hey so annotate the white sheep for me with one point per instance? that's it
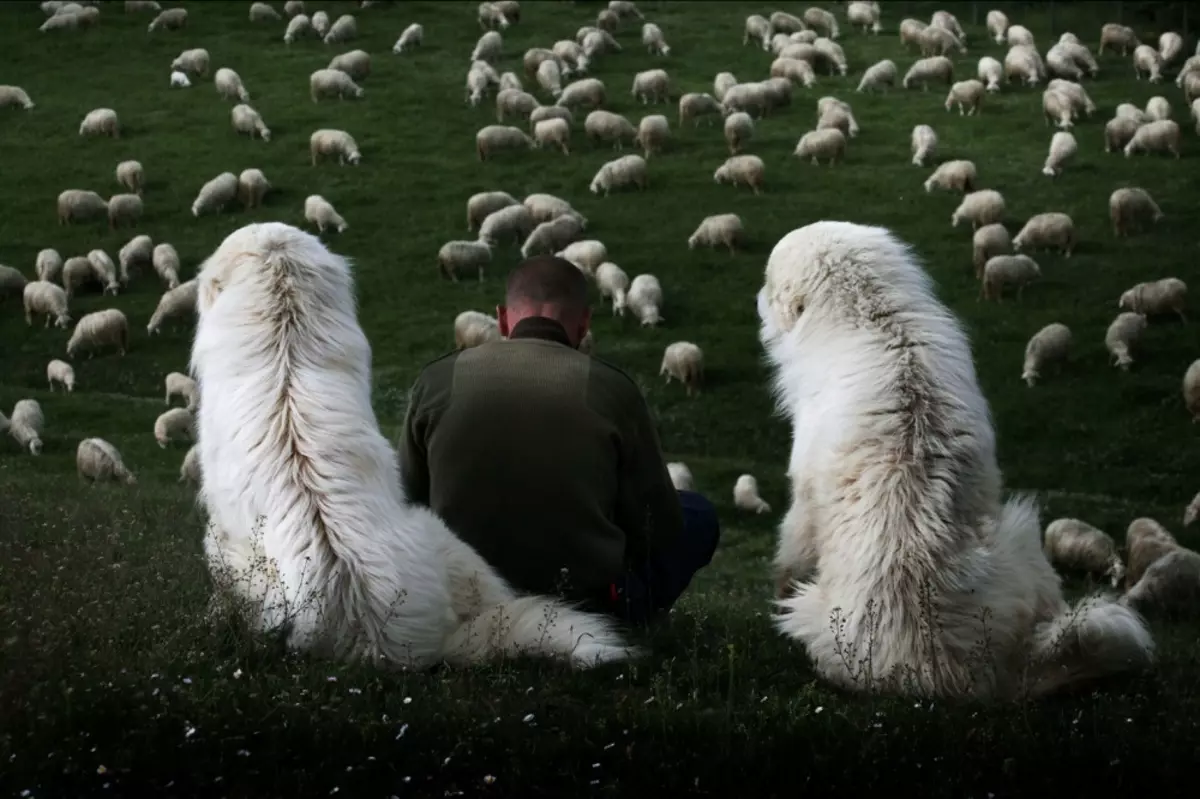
(248, 121)
(939, 41)
(15, 97)
(1132, 209)
(124, 209)
(549, 77)
(1132, 112)
(483, 204)
(614, 285)
(879, 75)
(1022, 63)
(831, 54)
(924, 145)
(26, 424)
(654, 41)
(192, 62)
(865, 16)
(216, 194)
(997, 25)
(76, 272)
(461, 254)
(169, 19)
(97, 330)
(512, 221)
(12, 282)
(739, 169)
(597, 42)
(722, 83)
(412, 36)
(1118, 37)
(654, 130)
(989, 240)
(325, 83)
(97, 460)
(1170, 46)
(177, 424)
(821, 20)
(981, 207)
(694, 105)
(749, 97)
(1062, 149)
(801, 72)
(43, 297)
(297, 26)
(683, 361)
(78, 204)
(1192, 65)
(478, 83)
(967, 95)
(1147, 60)
(165, 261)
(910, 32)
(1146, 541)
(628, 170)
(343, 29)
(136, 252)
(176, 303)
(745, 495)
(472, 328)
(929, 70)
(829, 143)
(545, 112)
(1050, 346)
(60, 373)
(131, 175)
(320, 212)
(1081, 103)
(320, 23)
(488, 48)
(586, 255)
(645, 299)
(681, 476)
(1158, 108)
(758, 29)
(1061, 64)
(355, 63)
(607, 127)
(739, 129)
(546, 207)
(836, 117)
(328, 142)
(1161, 136)
(724, 230)
(650, 86)
(105, 270)
(555, 132)
(491, 17)
(515, 101)
(252, 187)
(189, 470)
(183, 386)
(1191, 400)
(1018, 36)
(101, 122)
(1004, 270)
(1122, 336)
(229, 85)
(1057, 108)
(261, 12)
(1049, 231)
(1118, 132)
(48, 264)
(495, 138)
(553, 234)
(1076, 545)
(1156, 297)
(179, 80)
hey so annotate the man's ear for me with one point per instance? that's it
(502, 320)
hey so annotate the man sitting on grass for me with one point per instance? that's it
(546, 461)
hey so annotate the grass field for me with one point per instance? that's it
(110, 682)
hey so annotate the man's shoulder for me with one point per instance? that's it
(614, 382)
(438, 372)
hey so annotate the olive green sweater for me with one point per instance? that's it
(543, 459)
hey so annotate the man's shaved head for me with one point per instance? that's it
(547, 280)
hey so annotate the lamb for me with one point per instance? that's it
(929, 70)
(935, 41)
(48, 265)
(124, 209)
(865, 16)
(606, 127)
(1003, 270)
(456, 255)
(981, 207)
(1161, 136)
(176, 303)
(97, 330)
(724, 230)
(653, 40)
(15, 97)
(472, 328)
(645, 299)
(1081, 103)
(297, 26)
(1191, 400)
(261, 12)
(105, 270)
(585, 255)
(179, 80)
(613, 284)
(248, 121)
(165, 261)
(1050, 231)
(169, 19)
(101, 122)
(694, 105)
(192, 62)
(80, 205)
(229, 85)
(684, 361)
(910, 32)
(651, 86)
(343, 29)
(491, 17)
(877, 76)
(332, 83)
(547, 207)
(131, 176)
(61, 373)
(989, 240)
(798, 72)
(1117, 37)
(653, 132)
(924, 145)
(681, 476)
(1057, 108)
(1118, 132)
(1076, 545)
(495, 138)
(320, 212)
(174, 425)
(1049, 346)
(328, 142)
(252, 187)
(758, 29)
(739, 169)
(216, 194)
(412, 36)
(26, 424)
(1122, 336)
(997, 25)
(628, 170)
(43, 297)
(967, 95)
(1022, 63)
(745, 495)
(830, 327)
(1157, 297)
(483, 204)
(189, 470)
(821, 20)
(97, 460)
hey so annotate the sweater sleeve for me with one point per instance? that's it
(647, 485)
(414, 463)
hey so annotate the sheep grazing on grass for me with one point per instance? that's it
(681, 476)
(1156, 298)
(332, 83)
(165, 261)
(320, 212)
(12, 282)
(988, 241)
(175, 304)
(967, 95)
(654, 41)
(695, 105)
(131, 175)
(77, 205)
(178, 384)
(42, 297)
(124, 209)
(1162, 576)
(959, 176)
(877, 77)
(48, 265)
(1051, 231)
(683, 361)
(924, 145)
(1050, 346)
(229, 85)
(1191, 400)
(15, 97)
(929, 70)
(653, 132)
(169, 19)
(1007, 270)
(983, 207)
(719, 230)
(997, 25)
(1062, 149)
(179, 80)
(1146, 60)
(192, 62)
(216, 194)
(177, 424)
(461, 255)
(412, 36)
(607, 127)
(96, 461)
(628, 170)
(496, 138)
(865, 16)
(343, 29)
(614, 285)
(745, 495)
(297, 26)
(830, 327)
(586, 255)
(355, 63)
(101, 122)
(105, 271)
(60, 373)
(1075, 545)
(554, 234)
(645, 299)
(247, 121)
(98, 330)
(741, 169)
(326, 143)
(189, 470)
(25, 425)
(480, 206)
(1118, 132)
(1121, 338)
(472, 328)
(252, 187)
(1161, 136)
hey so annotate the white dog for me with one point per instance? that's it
(309, 527)
(908, 572)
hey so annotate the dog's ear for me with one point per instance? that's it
(790, 309)
(209, 291)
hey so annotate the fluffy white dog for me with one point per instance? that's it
(309, 528)
(908, 572)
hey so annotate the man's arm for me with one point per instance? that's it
(657, 518)
(414, 464)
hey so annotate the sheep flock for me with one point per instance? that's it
(662, 149)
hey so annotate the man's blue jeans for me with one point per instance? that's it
(656, 587)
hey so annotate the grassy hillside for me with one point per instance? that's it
(112, 682)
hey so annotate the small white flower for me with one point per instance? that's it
(528, 718)
(408, 700)
(237, 674)
(187, 680)
(819, 709)
(189, 732)
(489, 780)
(403, 729)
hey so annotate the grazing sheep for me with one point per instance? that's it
(739, 169)
(472, 328)
(694, 105)
(645, 299)
(739, 129)
(1132, 112)
(483, 204)
(1049, 231)
(935, 41)
(723, 82)
(724, 230)
(1060, 63)
(328, 142)
(1157, 297)
(821, 20)
(745, 495)
(97, 460)
(343, 29)
(1191, 400)
(1122, 336)
(683, 361)
(192, 62)
(1157, 108)
(169, 19)
(355, 63)
(1170, 586)
(607, 127)
(61, 373)
(1146, 541)
(76, 272)
(651, 86)
(997, 25)
(297, 26)
(124, 209)
(749, 97)
(511, 9)
(456, 255)
(43, 297)
(216, 194)
(1057, 108)
(981, 207)
(320, 212)
(1118, 132)
(801, 72)
(1023, 63)
(176, 303)
(553, 132)
(653, 132)
(929, 70)
(97, 330)
(924, 145)
(413, 36)
(586, 255)
(48, 265)
(326, 83)
(989, 240)
(910, 32)
(1117, 37)
(1170, 47)
(320, 23)
(1006, 270)
(879, 75)
(176, 424)
(131, 176)
(1050, 346)
(229, 85)
(613, 284)
(495, 138)
(510, 80)
(545, 112)
(831, 54)
(11, 281)
(105, 270)
(1147, 60)
(835, 118)
(1081, 103)
(628, 170)
(101, 122)
(248, 121)
(553, 234)
(865, 16)
(261, 12)
(967, 95)
(26, 424)
(957, 176)
(80, 205)
(165, 261)
(491, 17)
(179, 384)
(15, 97)
(546, 207)
(757, 29)
(515, 101)
(189, 470)
(654, 41)
(179, 80)
(1161, 136)
(1076, 545)
(549, 77)
(252, 187)
(681, 476)
(488, 48)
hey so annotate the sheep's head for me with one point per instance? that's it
(35, 447)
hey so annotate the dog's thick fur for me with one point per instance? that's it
(309, 528)
(906, 572)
